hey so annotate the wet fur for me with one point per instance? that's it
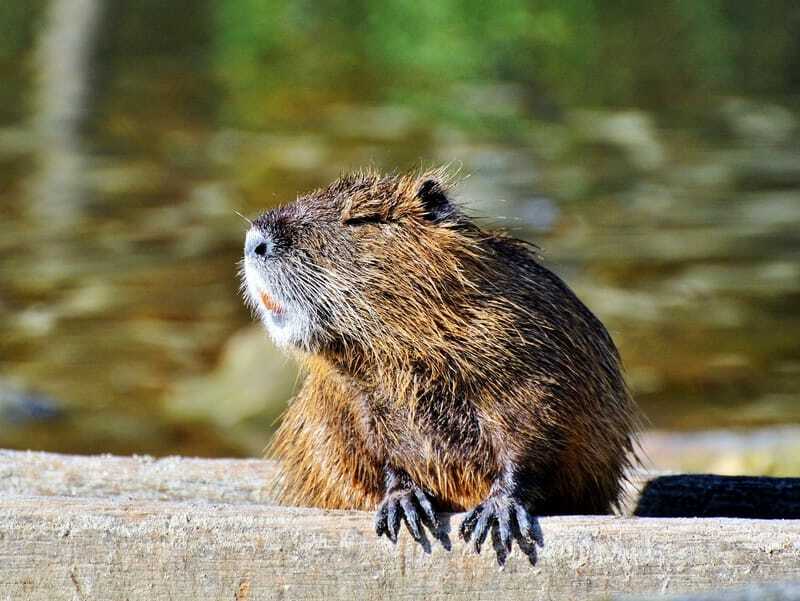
(435, 347)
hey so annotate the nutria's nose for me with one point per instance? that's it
(258, 245)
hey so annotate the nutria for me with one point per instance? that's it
(448, 370)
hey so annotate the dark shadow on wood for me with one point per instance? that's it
(707, 495)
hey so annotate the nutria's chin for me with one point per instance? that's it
(446, 367)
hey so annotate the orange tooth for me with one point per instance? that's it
(269, 303)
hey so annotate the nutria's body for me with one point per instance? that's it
(445, 364)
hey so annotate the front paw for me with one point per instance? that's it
(508, 519)
(412, 504)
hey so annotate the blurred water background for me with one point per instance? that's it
(651, 149)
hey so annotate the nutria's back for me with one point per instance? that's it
(435, 349)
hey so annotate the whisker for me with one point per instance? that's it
(248, 221)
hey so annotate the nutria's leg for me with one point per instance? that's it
(405, 499)
(507, 511)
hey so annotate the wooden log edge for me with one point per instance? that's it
(179, 529)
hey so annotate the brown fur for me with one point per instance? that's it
(444, 350)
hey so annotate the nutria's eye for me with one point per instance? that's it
(363, 219)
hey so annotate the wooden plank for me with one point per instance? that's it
(54, 548)
(650, 494)
(28, 473)
(106, 527)
(784, 591)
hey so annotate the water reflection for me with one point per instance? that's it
(122, 326)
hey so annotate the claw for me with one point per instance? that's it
(380, 520)
(427, 509)
(504, 528)
(468, 525)
(523, 523)
(393, 521)
(412, 521)
(502, 552)
(507, 518)
(482, 529)
(413, 506)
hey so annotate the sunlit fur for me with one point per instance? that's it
(438, 348)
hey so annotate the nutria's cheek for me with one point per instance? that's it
(258, 292)
(287, 326)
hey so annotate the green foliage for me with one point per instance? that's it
(280, 60)
(17, 20)
(618, 52)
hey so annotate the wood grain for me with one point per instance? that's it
(189, 529)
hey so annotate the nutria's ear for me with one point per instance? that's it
(433, 198)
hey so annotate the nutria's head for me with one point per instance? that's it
(371, 261)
